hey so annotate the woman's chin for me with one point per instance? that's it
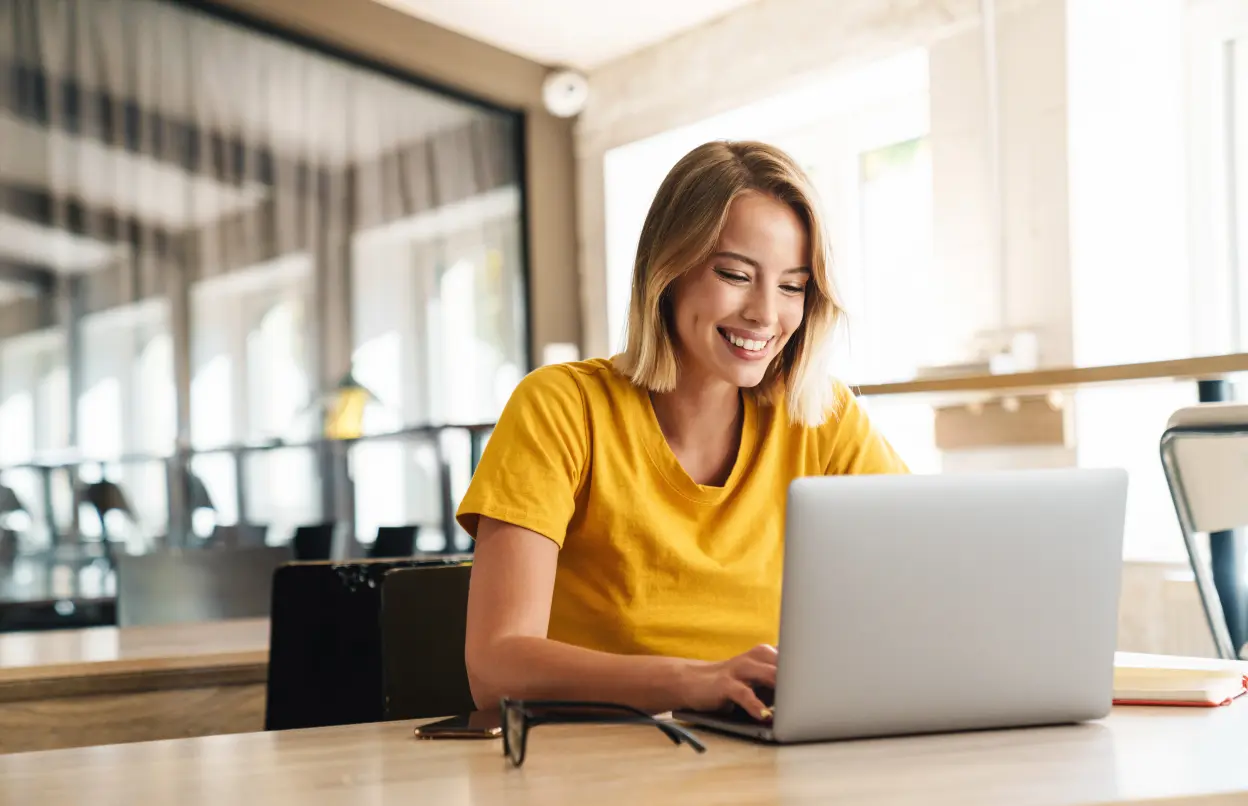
(746, 378)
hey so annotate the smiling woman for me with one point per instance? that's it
(629, 512)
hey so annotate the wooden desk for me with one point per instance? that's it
(105, 685)
(1195, 755)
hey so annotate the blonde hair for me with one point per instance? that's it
(680, 233)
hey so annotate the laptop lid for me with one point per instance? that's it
(919, 603)
(424, 618)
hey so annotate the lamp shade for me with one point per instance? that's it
(344, 415)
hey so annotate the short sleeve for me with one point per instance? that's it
(535, 460)
(855, 446)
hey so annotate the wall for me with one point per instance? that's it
(382, 34)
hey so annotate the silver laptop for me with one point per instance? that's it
(931, 603)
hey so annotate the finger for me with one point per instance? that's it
(745, 697)
(764, 652)
(755, 671)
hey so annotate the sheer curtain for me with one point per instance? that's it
(219, 223)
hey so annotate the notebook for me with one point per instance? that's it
(1141, 679)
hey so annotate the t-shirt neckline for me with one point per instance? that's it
(674, 473)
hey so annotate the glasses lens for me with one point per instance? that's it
(513, 735)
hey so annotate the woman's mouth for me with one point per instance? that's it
(743, 347)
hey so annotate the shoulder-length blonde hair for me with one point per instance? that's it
(681, 232)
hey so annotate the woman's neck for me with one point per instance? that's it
(688, 414)
(702, 426)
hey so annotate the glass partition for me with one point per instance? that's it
(203, 247)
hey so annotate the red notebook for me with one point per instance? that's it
(1141, 679)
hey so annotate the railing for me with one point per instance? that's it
(336, 494)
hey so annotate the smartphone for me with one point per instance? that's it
(473, 725)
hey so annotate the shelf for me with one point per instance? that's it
(1202, 368)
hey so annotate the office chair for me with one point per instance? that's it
(313, 541)
(394, 541)
(1204, 452)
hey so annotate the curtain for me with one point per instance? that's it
(219, 223)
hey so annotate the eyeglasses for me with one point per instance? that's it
(520, 715)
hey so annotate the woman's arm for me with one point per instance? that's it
(508, 654)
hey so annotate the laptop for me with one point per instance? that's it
(937, 603)
(325, 641)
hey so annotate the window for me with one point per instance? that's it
(438, 312)
(1236, 61)
(277, 378)
(895, 277)
(439, 338)
(34, 396)
(1216, 112)
(251, 363)
(17, 417)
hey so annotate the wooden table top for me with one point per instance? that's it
(1137, 754)
(110, 659)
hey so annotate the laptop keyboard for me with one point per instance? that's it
(739, 714)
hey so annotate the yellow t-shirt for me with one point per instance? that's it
(651, 562)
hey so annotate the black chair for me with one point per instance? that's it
(325, 664)
(1204, 454)
(313, 542)
(394, 541)
(424, 614)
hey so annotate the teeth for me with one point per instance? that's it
(746, 344)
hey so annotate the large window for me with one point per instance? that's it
(1215, 96)
(1236, 144)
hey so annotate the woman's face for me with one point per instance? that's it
(735, 313)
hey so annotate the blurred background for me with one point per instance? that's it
(269, 269)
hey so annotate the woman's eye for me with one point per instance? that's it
(732, 276)
(793, 289)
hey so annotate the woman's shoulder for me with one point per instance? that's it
(591, 377)
(581, 386)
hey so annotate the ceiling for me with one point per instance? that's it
(570, 33)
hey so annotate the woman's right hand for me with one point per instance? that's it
(711, 686)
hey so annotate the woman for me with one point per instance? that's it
(628, 513)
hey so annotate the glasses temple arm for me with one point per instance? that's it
(679, 735)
